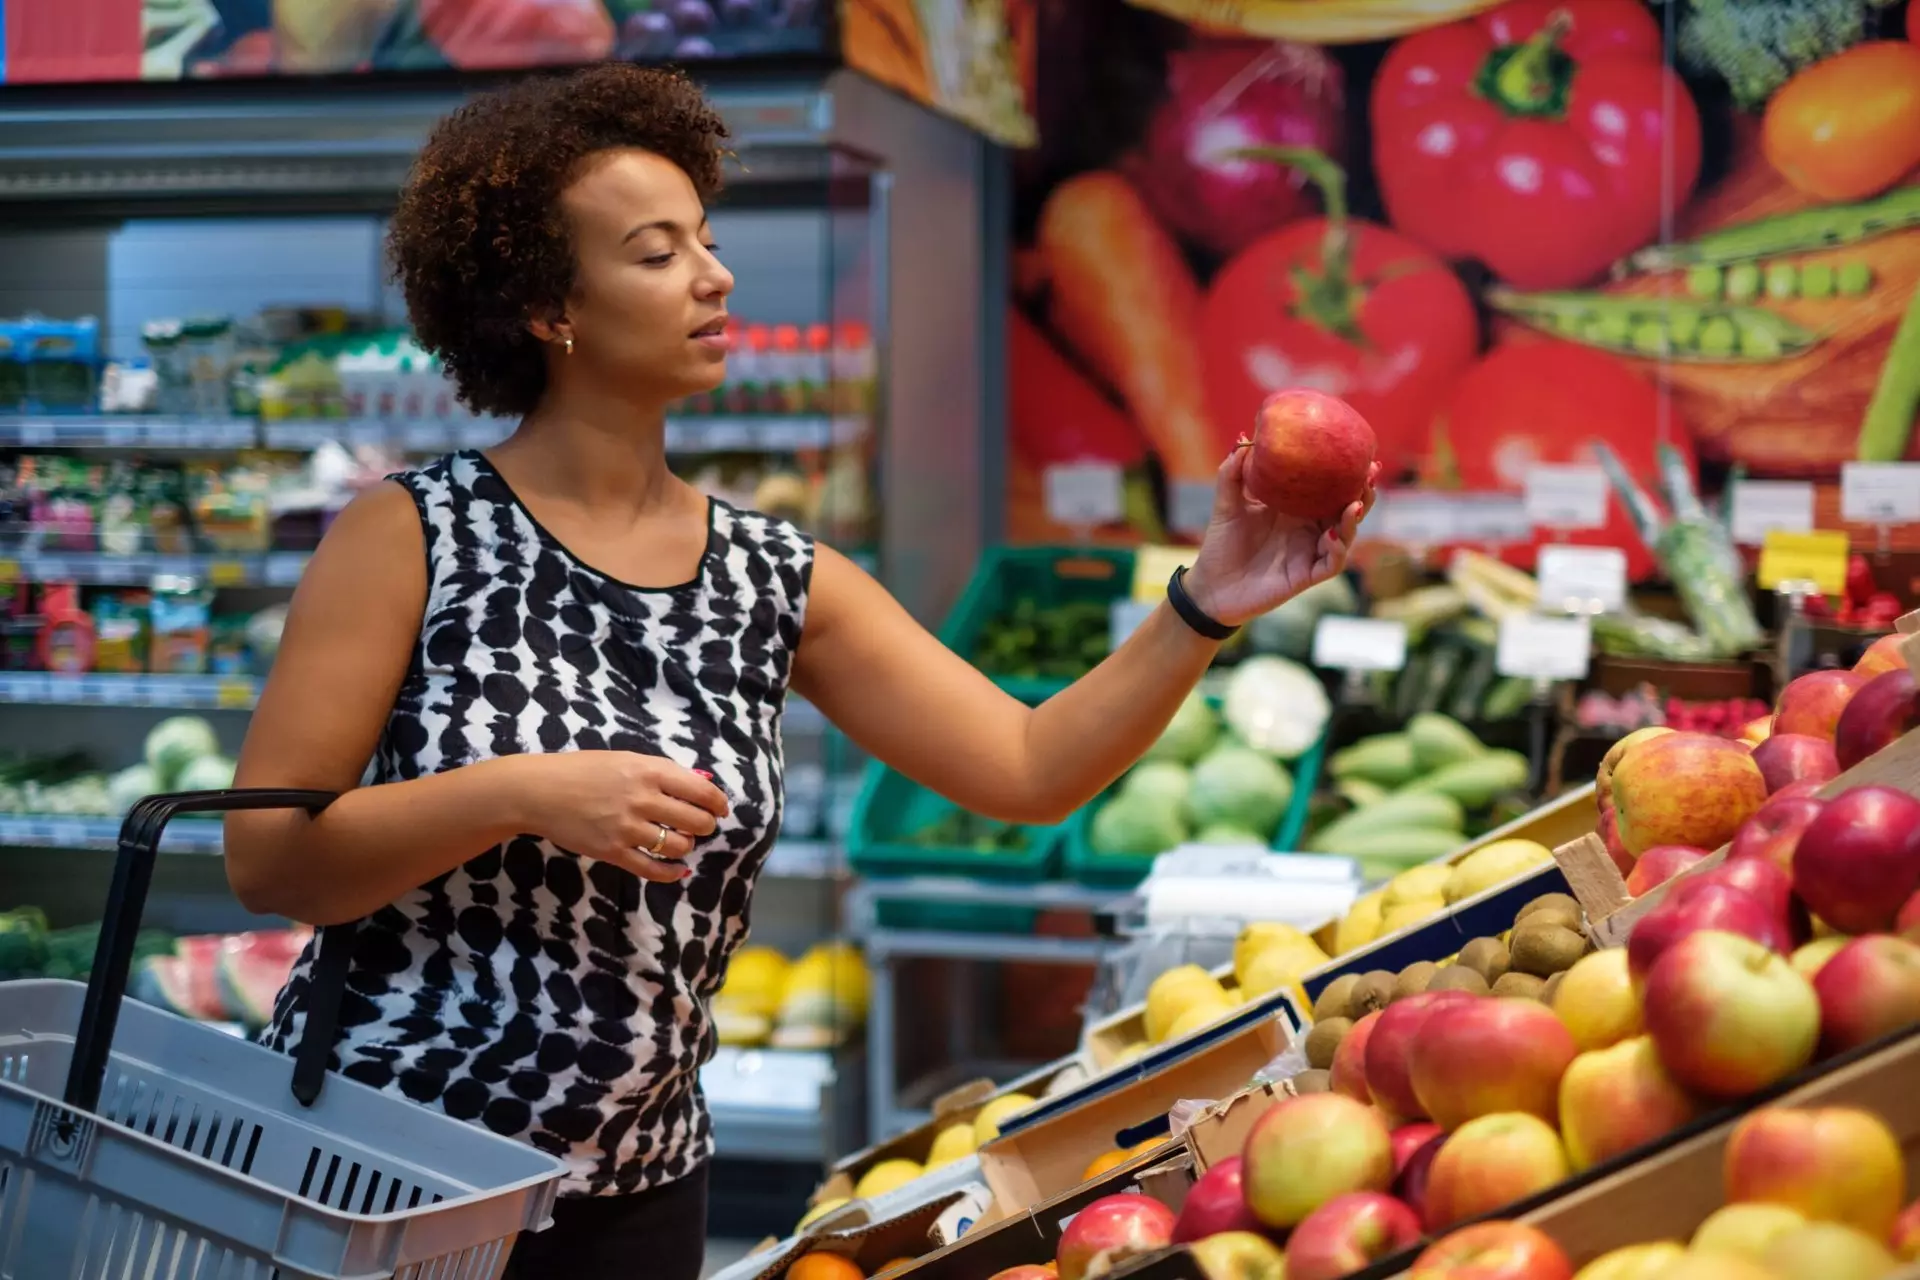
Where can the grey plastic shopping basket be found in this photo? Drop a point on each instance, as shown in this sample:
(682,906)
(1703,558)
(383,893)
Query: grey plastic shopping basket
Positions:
(174,1151)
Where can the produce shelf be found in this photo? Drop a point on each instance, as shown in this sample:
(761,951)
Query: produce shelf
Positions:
(690,434)
(1046,577)
(105,569)
(185,693)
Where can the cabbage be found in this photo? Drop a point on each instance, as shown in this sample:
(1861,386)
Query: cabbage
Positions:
(1136,824)
(1189,734)
(1288,630)
(1162,780)
(177,742)
(1225,833)
(1276,705)
(1239,787)
(208,773)
(130,785)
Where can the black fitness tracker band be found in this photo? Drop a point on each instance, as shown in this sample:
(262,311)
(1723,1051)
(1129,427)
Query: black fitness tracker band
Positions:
(1192,614)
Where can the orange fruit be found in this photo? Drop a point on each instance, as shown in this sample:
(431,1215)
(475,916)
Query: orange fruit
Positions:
(895,1265)
(825,1266)
(1111,1160)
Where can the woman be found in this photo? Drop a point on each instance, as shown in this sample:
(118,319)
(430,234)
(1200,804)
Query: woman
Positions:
(567,667)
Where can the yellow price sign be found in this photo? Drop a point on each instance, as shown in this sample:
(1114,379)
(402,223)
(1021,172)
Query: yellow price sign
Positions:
(1818,556)
(227,573)
(1152,566)
(9,571)
(234,693)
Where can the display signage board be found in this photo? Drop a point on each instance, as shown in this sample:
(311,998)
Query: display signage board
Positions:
(71,41)
(971,59)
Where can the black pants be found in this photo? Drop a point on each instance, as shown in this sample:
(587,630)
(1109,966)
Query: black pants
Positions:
(660,1233)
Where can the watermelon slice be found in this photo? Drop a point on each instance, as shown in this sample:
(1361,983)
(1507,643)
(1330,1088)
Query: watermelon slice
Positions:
(252,969)
(201,957)
(164,982)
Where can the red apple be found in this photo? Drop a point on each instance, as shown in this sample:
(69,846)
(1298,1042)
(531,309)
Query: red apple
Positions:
(1347,1233)
(1216,1202)
(1113,1228)
(1908,921)
(1349,1073)
(1774,832)
(1787,758)
(1859,861)
(1728,1015)
(1490,1162)
(1410,1185)
(1609,833)
(1812,704)
(1238,1255)
(1764,880)
(1387,1076)
(1906,1233)
(1757,731)
(1305,1151)
(1833,1164)
(1888,707)
(1687,910)
(1311,455)
(1661,863)
(1828,1251)
(1477,1057)
(1685,788)
(1025,1271)
(1409,1138)
(1614,1099)
(1493,1251)
(1869,988)
(1882,656)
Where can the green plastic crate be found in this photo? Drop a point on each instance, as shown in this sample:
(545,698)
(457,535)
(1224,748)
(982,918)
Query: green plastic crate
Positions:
(1047,576)
(889,807)
(1088,866)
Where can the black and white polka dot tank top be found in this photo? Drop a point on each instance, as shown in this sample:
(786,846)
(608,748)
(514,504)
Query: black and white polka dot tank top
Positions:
(551,997)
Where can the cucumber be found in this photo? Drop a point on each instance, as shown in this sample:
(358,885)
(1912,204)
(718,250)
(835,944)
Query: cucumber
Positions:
(1507,699)
(1478,782)
(1404,846)
(1385,759)
(1360,793)
(1440,740)
(1407,689)
(1431,810)
(1442,668)
(1470,690)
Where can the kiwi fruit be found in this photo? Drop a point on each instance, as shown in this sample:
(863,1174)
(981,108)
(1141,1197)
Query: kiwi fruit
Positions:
(1414,979)
(1546,949)
(1486,957)
(1553,985)
(1458,977)
(1324,1039)
(1318,1080)
(1333,1001)
(1556,907)
(1373,992)
(1519,985)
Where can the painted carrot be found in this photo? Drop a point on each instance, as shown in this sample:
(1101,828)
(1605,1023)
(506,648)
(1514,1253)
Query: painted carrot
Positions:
(1124,299)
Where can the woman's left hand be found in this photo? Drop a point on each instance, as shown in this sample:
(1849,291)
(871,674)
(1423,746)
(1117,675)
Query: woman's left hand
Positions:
(1254,559)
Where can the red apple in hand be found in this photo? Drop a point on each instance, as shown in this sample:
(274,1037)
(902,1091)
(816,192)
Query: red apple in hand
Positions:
(1870,987)
(1115,1227)
(1729,1015)
(1409,1138)
(1662,863)
(1493,1251)
(1859,861)
(1348,1232)
(1888,707)
(1812,704)
(1774,832)
(1478,1057)
(1787,758)
(1688,909)
(1216,1202)
(1311,455)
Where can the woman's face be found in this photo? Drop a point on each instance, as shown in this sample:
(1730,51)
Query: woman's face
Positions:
(649,303)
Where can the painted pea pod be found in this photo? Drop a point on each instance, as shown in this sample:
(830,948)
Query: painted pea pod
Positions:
(1780,280)
(1690,330)
(1802,231)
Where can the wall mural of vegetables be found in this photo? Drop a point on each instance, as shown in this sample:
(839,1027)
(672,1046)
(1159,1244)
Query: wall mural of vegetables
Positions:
(1504,231)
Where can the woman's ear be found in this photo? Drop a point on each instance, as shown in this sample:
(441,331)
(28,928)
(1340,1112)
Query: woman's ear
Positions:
(552,329)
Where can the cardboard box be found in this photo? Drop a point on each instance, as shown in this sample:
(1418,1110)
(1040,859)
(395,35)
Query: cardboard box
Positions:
(848,1233)
(1045,1152)
(1611,911)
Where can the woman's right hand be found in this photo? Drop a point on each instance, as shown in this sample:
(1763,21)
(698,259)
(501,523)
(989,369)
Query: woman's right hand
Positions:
(612,805)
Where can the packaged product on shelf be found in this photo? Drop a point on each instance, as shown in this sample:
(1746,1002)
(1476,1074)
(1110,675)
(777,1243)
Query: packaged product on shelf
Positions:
(853,368)
(66,640)
(120,631)
(230,507)
(816,383)
(207,351)
(164,506)
(787,373)
(303,384)
(62,359)
(123,529)
(129,386)
(181,613)
(162,340)
(227,651)
(747,369)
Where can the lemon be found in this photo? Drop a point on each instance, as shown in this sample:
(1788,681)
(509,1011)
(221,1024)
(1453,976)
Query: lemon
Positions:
(955,1142)
(1416,883)
(1493,864)
(986,1122)
(1409,913)
(1172,992)
(1278,967)
(886,1176)
(1360,925)
(755,982)
(1258,937)
(821,1210)
(1197,1016)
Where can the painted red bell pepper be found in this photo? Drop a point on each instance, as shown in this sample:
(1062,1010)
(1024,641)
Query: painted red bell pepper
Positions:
(1543,137)
(481,34)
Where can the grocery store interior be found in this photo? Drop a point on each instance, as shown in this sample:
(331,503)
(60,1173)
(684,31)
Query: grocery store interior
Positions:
(1608,728)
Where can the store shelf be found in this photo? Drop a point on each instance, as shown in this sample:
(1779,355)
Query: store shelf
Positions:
(883,944)
(745,433)
(184,693)
(52,831)
(106,569)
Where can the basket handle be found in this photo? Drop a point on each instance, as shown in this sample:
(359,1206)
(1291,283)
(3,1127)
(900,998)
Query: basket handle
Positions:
(127,900)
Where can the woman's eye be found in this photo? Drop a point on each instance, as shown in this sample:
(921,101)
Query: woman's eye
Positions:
(713,249)
(658,260)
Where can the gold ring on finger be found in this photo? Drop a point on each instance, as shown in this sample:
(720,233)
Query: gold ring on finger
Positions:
(660,843)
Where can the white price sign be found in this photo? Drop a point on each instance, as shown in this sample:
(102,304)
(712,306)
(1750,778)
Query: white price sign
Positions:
(1570,496)
(1124,618)
(1359,644)
(1583,579)
(1540,648)
(1189,505)
(1880,492)
(1084,493)
(1761,507)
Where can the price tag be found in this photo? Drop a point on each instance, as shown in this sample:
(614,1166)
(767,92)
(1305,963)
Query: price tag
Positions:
(1124,618)
(1583,579)
(36,431)
(1566,496)
(1819,557)
(1189,505)
(1880,492)
(227,573)
(1543,648)
(113,690)
(9,570)
(1416,519)
(284,568)
(1359,644)
(1762,506)
(1084,493)
(233,693)
(1152,566)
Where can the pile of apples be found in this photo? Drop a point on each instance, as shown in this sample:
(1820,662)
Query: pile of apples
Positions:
(1809,1195)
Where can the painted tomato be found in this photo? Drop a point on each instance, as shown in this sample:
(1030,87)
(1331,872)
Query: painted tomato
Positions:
(1849,127)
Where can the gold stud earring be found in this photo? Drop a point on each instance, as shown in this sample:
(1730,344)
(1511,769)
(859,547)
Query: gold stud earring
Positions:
(569,346)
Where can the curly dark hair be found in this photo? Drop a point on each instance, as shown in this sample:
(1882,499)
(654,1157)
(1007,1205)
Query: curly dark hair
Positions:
(478,243)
